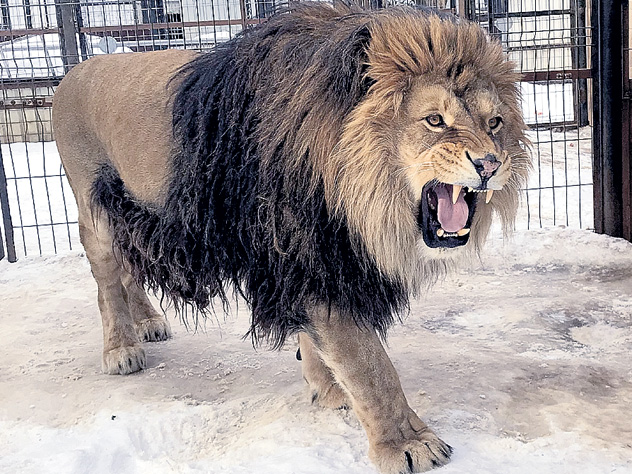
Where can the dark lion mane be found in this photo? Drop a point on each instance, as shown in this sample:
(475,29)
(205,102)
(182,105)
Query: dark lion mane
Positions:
(246,206)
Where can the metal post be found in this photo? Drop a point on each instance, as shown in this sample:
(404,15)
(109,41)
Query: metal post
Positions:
(242,11)
(626,125)
(579,59)
(607,133)
(2,254)
(83,42)
(6,213)
(27,14)
(67,33)
(490,18)
(462,9)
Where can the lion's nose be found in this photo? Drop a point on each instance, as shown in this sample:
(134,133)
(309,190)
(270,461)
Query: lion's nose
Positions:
(486,167)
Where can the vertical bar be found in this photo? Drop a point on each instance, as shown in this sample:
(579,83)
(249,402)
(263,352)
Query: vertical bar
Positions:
(6,213)
(578,32)
(2,254)
(607,145)
(626,171)
(627,49)
(462,9)
(242,11)
(490,18)
(83,42)
(28,14)
(596,149)
(67,33)
(626,123)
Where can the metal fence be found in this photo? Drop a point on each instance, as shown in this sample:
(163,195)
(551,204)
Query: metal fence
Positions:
(40,40)
(550,42)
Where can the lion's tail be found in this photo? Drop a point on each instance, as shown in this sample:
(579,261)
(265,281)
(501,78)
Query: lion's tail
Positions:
(145,243)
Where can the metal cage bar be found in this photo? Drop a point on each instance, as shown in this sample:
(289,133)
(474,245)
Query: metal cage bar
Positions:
(608,137)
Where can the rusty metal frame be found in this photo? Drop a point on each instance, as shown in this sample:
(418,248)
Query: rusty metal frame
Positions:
(28,103)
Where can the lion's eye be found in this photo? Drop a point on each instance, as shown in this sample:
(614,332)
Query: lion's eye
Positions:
(435,120)
(494,123)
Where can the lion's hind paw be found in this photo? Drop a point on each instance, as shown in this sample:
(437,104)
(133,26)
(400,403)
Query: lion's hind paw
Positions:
(330,397)
(153,329)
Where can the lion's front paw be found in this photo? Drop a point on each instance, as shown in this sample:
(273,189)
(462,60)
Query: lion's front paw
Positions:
(411,455)
(153,329)
(124,360)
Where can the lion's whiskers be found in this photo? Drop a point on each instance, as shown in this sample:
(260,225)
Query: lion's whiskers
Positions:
(429,165)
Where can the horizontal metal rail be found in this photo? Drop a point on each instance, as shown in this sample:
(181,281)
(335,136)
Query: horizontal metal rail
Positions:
(26,103)
(527,14)
(559,75)
(19,83)
(130,27)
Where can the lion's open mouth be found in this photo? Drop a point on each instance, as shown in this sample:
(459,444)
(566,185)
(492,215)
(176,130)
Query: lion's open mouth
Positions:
(445,214)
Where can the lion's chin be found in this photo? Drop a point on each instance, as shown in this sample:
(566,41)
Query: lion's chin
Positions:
(445,215)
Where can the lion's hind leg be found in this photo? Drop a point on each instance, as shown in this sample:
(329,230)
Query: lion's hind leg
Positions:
(122,350)
(151,326)
(324,389)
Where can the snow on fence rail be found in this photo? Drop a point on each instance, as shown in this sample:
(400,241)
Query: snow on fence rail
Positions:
(39,41)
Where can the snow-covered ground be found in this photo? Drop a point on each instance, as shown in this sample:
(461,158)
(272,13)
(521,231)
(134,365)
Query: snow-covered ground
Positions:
(521,361)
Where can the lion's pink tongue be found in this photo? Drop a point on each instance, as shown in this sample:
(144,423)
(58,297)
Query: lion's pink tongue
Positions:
(452,217)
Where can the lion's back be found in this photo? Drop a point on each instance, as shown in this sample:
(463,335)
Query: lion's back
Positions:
(116,109)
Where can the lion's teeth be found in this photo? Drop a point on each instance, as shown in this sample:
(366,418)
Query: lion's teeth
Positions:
(456,190)
(489,196)
(440,232)
(463,232)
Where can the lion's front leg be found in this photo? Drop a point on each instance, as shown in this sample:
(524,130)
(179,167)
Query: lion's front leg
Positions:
(399,442)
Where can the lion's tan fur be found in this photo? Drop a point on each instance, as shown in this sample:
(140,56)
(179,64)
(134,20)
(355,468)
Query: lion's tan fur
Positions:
(116,107)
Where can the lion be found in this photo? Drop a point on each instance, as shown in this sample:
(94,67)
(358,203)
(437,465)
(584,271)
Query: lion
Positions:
(326,165)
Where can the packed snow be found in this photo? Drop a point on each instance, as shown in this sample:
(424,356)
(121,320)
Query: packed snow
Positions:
(521,361)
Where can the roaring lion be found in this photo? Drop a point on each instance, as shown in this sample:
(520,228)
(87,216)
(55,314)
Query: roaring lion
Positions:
(326,165)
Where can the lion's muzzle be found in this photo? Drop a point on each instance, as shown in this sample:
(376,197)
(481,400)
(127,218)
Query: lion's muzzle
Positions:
(485,167)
